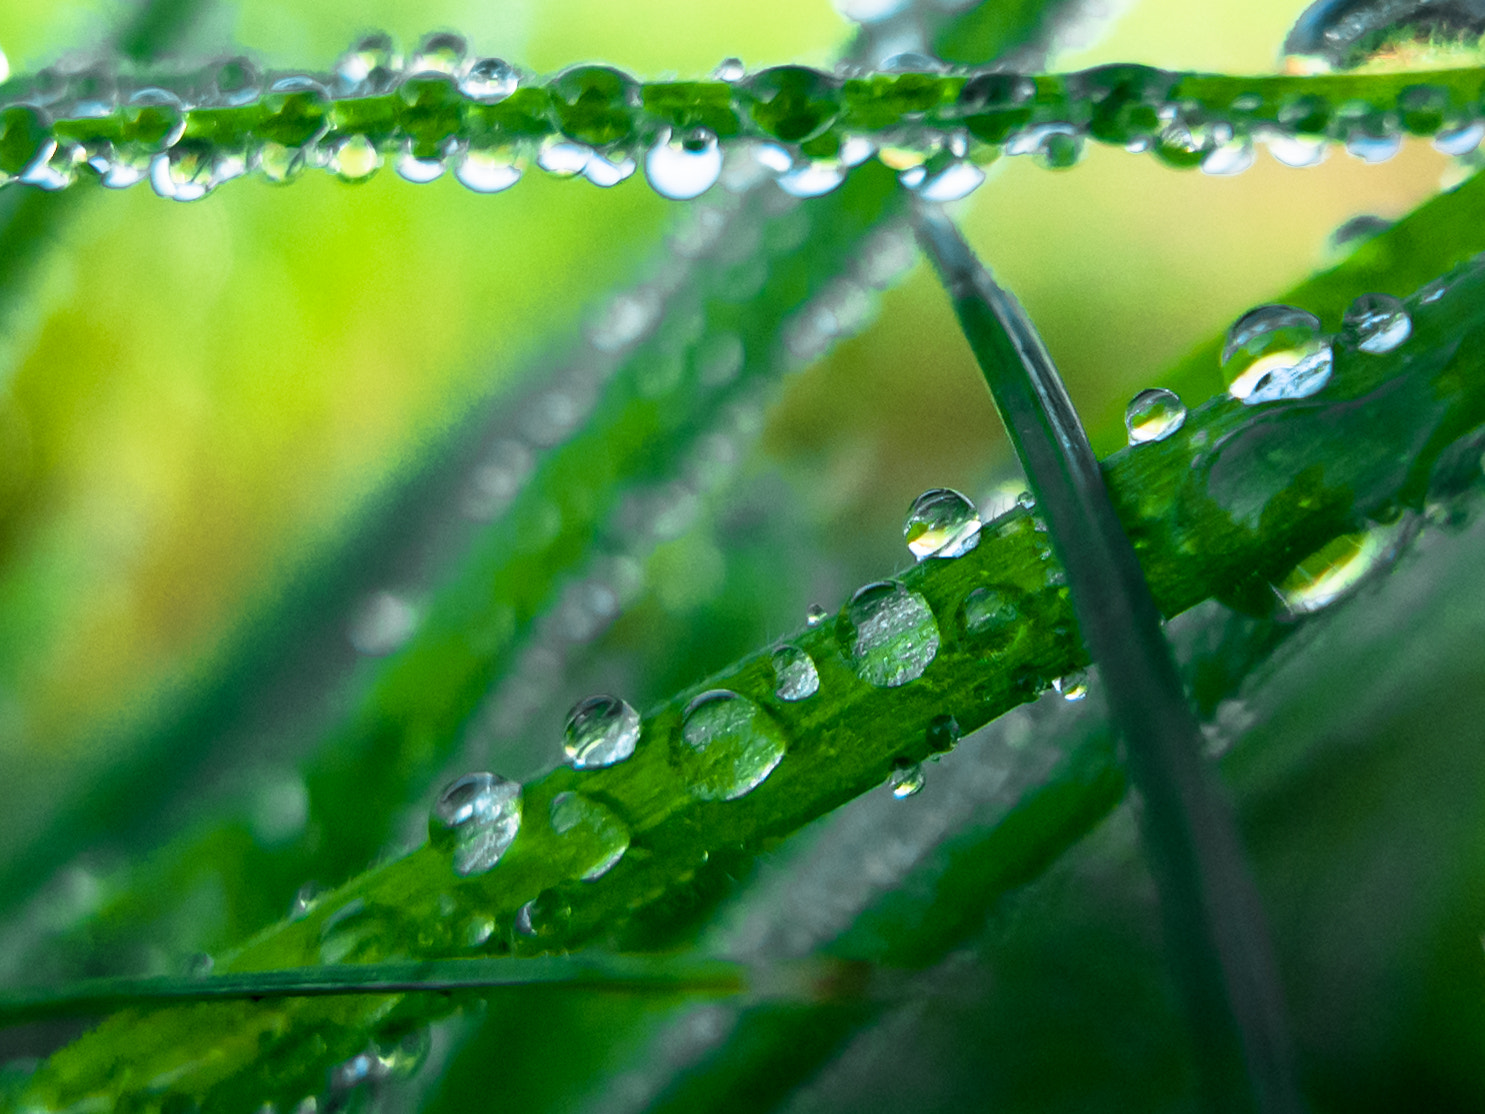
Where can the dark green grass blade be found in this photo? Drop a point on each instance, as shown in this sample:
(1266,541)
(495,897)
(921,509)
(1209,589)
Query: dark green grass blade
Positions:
(1215,925)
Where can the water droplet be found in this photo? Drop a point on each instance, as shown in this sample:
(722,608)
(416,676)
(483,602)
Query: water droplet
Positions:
(1341,566)
(1459,141)
(942,733)
(371,66)
(413,168)
(1226,159)
(737,744)
(990,613)
(906,781)
(893,636)
(685,166)
(1276,352)
(562,157)
(478,930)
(488,168)
(600,731)
(235,82)
(489,81)
(476,818)
(605,172)
(795,675)
(1294,150)
(591,828)
(941,523)
(306,897)
(1370,148)
(403,1055)
(185,172)
(729,69)
(383,622)
(953,183)
(1377,323)
(812,178)
(348,933)
(280,163)
(1433,292)
(814,615)
(441,52)
(355,159)
(1153,415)
(199,966)
(1358,230)
(1073,686)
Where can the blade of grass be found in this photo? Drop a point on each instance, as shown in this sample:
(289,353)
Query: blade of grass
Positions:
(1215,927)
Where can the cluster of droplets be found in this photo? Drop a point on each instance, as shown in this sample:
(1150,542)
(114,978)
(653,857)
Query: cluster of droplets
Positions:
(442,110)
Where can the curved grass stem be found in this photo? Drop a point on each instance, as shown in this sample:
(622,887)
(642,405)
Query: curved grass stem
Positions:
(1211,909)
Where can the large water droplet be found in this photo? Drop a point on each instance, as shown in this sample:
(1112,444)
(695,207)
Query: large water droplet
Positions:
(412,167)
(1276,352)
(1342,566)
(489,81)
(600,731)
(355,159)
(795,675)
(737,744)
(476,818)
(486,168)
(562,157)
(1153,415)
(1377,323)
(906,781)
(941,523)
(184,173)
(441,52)
(685,166)
(891,634)
(591,828)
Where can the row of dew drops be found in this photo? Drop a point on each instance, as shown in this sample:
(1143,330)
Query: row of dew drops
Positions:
(679,163)
(1273,353)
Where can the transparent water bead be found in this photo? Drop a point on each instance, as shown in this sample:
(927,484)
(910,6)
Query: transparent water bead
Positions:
(410,167)
(186,172)
(730,69)
(812,178)
(600,731)
(1153,415)
(441,52)
(605,172)
(371,65)
(1377,323)
(736,742)
(941,523)
(892,636)
(681,167)
(476,818)
(1073,687)
(1460,140)
(355,159)
(795,676)
(906,781)
(990,613)
(1276,352)
(490,81)
(1340,567)
(814,615)
(486,168)
(591,830)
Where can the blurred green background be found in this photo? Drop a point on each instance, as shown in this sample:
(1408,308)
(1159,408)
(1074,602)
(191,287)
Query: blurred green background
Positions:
(199,400)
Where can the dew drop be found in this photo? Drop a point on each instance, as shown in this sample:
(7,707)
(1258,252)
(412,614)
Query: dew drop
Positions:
(1072,687)
(1377,323)
(235,82)
(562,157)
(441,52)
(605,172)
(1371,148)
(893,636)
(1459,141)
(354,159)
(1294,150)
(736,743)
(410,167)
(372,65)
(953,183)
(306,897)
(281,164)
(812,178)
(1229,158)
(1340,567)
(795,676)
(591,830)
(600,731)
(990,613)
(941,523)
(184,173)
(1276,352)
(489,81)
(478,930)
(1153,415)
(487,168)
(476,818)
(683,167)
(814,615)
(382,623)
(906,781)
(729,69)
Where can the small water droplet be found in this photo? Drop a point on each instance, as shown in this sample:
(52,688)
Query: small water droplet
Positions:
(440,52)
(490,80)
(737,744)
(600,731)
(1227,159)
(1153,415)
(1341,566)
(383,622)
(184,173)
(348,933)
(990,613)
(1294,150)
(814,615)
(372,65)
(729,69)
(1358,230)
(306,897)
(795,675)
(476,818)
(1377,323)
(684,166)
(562,157)
(1433,292)
(1026,501)
(1276,352)
(892,634)
(953,183)
(941,523)
(478,930)
(906,781)
(200,965)
(591,828)
(812,178)
(1459,141)
(355,159)
(605,172)
(1073,686)
(281,164)
(488,168)
(412,167)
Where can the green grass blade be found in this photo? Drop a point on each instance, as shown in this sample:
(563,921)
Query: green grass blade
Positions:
(1214,916)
